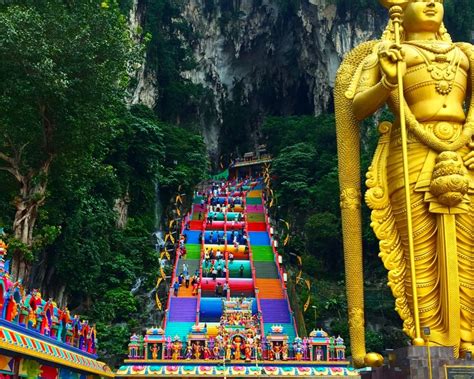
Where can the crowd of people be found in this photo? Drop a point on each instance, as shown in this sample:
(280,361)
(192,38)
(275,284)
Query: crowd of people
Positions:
(217,200)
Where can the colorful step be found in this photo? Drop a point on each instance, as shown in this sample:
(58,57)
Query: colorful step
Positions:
(182,309)
(237,285)
(235,269)
(266,270)
(255,209)
(269,289)
(255,217)
(195,225)
(263,254)
(193,251)
(197,199)
(259,239)
(257,227)
(255,194)
(180,329)
(275,311)
(254,201)
(210,309)
(192,236)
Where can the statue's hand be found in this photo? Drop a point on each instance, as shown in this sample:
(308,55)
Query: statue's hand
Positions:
(469,158)
(389,56)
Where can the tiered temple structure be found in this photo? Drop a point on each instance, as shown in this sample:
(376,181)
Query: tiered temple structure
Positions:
(40,340)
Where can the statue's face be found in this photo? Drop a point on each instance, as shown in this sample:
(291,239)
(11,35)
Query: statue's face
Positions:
(423,16)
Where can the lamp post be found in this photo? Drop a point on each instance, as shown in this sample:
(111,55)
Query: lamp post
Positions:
(314,307)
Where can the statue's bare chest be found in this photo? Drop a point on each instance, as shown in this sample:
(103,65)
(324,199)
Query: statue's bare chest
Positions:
(439,65)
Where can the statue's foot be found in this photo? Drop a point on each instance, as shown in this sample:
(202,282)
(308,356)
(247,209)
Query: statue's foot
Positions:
(373,360)
(465,348)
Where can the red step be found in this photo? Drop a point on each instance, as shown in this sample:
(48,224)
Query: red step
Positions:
(257,227)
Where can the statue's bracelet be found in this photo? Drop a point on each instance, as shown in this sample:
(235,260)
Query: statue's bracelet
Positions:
(387,85)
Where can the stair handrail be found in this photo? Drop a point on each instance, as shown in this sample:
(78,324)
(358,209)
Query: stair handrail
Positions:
(201,260)
(280,269)
(173,273)
(226,252)
(252,266)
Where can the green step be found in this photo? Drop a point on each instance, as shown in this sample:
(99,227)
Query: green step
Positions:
(197,200)
(255,217)
(254,201)
(196,216)
(193,251)
(234,269)
(263,254)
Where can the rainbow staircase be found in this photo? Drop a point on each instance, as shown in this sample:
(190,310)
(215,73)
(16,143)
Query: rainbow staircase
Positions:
(254,271)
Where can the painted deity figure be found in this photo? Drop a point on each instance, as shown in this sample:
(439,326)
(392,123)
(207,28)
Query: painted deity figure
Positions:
(437,79)
(189,351)
(276,351)
(216,352)
(259,351)
(154,351)
(197,350)
(319,354)
(284,351)
(207,352)
(298,352)
(175,350)
(228,351)
(238,348)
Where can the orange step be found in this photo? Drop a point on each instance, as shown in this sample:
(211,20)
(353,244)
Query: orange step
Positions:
(185,292)
(269,289)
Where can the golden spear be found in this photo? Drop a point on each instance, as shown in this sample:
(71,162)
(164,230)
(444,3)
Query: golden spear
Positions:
(396,15)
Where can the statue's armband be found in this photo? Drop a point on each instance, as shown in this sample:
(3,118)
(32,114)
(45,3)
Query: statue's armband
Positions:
(370,74)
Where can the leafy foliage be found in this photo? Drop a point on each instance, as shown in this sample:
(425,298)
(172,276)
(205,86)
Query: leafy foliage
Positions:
(67,61)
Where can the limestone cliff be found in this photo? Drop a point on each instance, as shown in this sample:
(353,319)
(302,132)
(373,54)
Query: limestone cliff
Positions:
(264,57)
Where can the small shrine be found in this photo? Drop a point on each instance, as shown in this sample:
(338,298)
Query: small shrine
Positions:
(154,342)
(326,348)
(198,341)
(277,344)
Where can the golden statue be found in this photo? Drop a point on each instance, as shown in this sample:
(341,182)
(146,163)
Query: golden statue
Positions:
(425,159)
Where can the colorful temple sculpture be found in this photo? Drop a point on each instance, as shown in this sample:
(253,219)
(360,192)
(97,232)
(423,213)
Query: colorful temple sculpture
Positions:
(228,313)
(40,340)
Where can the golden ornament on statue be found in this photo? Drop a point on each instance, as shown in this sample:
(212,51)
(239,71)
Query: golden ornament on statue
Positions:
(421,181)
(392,3)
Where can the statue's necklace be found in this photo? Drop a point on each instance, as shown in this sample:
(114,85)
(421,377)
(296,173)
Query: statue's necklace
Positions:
(442,69)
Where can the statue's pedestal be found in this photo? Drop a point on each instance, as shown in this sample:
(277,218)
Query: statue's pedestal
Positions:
(412,363)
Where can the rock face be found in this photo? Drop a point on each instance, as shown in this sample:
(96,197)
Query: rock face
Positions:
(145,91)
(270,57)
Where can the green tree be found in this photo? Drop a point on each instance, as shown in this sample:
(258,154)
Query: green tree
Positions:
(63,73)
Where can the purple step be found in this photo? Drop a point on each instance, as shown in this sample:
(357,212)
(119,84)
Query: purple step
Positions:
(183,309)
(275,311)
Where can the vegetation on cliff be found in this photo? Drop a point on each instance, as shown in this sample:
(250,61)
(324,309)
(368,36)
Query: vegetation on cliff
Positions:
(80,170)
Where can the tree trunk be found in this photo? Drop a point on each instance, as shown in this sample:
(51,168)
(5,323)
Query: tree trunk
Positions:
(121,207)
(23,225)
(32,194)
(31,197)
